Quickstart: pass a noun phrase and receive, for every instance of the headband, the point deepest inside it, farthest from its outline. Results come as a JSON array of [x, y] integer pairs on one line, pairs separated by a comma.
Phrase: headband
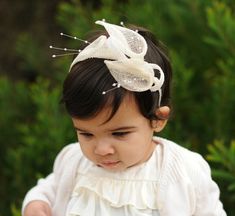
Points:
[[124, 51]]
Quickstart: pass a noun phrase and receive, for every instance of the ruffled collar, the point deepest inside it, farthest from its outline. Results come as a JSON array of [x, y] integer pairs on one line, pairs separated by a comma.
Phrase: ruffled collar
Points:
[[131, 192]]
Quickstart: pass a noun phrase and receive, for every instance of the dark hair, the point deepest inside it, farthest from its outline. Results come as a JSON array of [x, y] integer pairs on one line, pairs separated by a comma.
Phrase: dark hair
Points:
[[83, 86]]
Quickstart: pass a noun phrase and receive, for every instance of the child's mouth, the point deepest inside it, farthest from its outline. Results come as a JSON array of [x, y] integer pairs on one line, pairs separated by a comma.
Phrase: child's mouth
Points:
[[109, 164]]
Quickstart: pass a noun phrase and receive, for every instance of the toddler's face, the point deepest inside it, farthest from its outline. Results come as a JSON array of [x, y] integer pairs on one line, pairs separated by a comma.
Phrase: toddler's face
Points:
[[122, 142]]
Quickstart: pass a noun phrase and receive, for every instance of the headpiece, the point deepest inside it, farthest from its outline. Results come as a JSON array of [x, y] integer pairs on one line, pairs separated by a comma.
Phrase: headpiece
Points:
[[124, 51]]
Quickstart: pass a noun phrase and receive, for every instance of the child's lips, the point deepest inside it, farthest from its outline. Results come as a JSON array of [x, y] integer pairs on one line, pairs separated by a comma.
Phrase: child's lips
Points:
[[109, 163]]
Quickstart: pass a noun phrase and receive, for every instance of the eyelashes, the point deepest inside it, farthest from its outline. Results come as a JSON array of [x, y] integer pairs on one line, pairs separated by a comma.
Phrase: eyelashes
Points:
[[115, 134], [121, 134], [88, 135]]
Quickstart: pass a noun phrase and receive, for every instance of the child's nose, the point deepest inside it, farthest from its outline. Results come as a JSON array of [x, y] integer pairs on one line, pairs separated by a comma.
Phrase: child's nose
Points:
[[104, 147]]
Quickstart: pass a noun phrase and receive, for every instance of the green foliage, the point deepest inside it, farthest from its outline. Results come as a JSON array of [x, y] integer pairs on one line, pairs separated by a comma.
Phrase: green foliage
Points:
[[28, 53], [222, 78], [224, 157], [15, 211], [13, 106], [35, 138], [200, 37], [221, 22]]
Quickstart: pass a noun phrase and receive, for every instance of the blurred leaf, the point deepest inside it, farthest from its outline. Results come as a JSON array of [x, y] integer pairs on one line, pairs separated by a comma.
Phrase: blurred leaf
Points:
[[15, 211]]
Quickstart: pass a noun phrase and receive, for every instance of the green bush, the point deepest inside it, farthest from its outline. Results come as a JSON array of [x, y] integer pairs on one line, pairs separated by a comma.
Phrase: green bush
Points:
[[15, 211], [44, 131], [14, 108], [224, 158]]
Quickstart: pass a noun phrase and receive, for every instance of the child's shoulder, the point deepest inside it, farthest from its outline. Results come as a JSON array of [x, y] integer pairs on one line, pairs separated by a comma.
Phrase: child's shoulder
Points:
[[69, 150], [184, 161], [178, 151], [68, 154]]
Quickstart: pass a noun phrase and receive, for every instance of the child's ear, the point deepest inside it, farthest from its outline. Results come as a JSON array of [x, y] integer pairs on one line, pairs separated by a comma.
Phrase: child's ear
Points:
[[163, 114]]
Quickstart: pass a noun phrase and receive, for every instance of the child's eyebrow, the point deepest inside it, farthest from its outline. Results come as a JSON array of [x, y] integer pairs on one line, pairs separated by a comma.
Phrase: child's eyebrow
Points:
[[115, 129], [79, 129], [124, 128]]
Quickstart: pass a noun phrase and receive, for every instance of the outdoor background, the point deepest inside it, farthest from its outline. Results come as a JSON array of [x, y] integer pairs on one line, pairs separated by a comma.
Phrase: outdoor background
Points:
[[200, 36]]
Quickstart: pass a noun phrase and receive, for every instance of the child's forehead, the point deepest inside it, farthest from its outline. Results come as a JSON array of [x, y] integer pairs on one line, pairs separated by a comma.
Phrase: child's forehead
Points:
[[127, 105], [127, 114], [127, 110]]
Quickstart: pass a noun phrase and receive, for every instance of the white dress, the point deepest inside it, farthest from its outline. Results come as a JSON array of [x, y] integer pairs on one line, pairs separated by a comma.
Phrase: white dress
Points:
[[173, 182], [99, 192]]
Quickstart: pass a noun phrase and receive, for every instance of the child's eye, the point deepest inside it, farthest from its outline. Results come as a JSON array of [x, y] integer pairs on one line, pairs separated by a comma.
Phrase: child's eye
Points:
[[120, 134], [88, 135]]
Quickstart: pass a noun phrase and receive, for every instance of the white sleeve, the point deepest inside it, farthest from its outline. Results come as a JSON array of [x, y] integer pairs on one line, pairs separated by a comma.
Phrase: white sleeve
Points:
[[43, 191], [207, 193], [46, 188]]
